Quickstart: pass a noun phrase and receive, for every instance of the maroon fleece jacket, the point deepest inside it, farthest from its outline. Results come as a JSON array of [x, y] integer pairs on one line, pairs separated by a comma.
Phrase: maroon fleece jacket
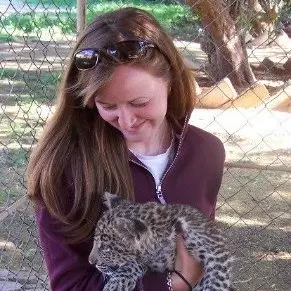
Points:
[[193, 177]]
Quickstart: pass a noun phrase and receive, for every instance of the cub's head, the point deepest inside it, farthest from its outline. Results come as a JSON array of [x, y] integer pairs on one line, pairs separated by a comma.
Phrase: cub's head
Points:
[[117, 238]]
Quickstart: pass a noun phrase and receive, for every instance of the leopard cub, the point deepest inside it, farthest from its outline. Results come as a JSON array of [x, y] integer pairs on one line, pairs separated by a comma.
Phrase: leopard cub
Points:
[[133, 238]]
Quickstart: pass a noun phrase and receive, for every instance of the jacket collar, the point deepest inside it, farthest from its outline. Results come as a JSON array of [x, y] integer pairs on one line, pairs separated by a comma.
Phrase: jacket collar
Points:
[[179, 135]]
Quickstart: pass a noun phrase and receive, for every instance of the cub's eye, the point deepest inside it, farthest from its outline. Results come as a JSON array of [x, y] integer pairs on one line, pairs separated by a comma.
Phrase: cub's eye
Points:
[[104, 237]]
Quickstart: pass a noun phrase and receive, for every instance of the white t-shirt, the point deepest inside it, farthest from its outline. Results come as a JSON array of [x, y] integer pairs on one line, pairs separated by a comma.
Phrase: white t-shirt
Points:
[[157, 165]]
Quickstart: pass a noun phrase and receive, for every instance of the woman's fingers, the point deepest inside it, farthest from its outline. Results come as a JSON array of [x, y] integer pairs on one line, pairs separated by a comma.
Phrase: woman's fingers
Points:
[[189, 267]]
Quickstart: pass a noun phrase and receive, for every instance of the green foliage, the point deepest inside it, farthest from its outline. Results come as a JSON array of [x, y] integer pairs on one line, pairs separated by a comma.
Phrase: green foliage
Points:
[[29, 22], [6, 37], [285, 15], [41, 86], [68, 23], [6, 194], [57, 3], [50, 78], [172, 16], [8, 73], [24, 22], [90, 3], [17, 158], [45, 78]]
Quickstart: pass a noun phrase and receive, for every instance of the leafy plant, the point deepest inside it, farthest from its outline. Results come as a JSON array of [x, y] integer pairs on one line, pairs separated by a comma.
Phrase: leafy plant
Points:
[[174, 17], [24, 22], [5, 37]]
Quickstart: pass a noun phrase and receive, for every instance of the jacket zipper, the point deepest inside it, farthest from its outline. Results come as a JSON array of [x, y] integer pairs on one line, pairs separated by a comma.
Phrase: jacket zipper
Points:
[[159, 187], [159, 193]]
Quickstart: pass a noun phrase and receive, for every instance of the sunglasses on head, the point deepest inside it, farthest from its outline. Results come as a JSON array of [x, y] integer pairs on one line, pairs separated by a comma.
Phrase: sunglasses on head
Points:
[[122, 51]]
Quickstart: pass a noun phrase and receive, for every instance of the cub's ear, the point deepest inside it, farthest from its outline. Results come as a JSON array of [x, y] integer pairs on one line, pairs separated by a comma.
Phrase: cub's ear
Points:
[[139, 227], [111, 200]]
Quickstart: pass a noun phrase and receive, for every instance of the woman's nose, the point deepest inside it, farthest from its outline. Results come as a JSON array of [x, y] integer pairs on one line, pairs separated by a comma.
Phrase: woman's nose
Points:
[[126, 118]]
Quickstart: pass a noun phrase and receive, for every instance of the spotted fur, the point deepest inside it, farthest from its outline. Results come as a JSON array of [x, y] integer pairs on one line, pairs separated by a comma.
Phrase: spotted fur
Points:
[[132, 238]]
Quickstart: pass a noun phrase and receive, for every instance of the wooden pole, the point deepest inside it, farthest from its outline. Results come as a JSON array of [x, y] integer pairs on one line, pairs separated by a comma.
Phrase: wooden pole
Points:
[[239, 165], [81, 16]]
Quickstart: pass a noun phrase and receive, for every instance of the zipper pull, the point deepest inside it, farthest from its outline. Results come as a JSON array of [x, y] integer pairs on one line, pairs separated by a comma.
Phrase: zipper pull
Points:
[[160, 195]]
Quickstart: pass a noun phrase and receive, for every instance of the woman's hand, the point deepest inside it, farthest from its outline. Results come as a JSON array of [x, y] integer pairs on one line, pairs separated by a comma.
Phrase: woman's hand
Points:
[[190, 268]]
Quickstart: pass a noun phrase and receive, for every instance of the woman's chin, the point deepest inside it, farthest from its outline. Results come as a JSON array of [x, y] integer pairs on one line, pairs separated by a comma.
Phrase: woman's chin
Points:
[[134, 138], [137, 133]]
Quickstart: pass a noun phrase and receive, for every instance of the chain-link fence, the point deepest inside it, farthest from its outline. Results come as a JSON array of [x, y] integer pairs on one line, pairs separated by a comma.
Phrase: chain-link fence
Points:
[[247, 106]]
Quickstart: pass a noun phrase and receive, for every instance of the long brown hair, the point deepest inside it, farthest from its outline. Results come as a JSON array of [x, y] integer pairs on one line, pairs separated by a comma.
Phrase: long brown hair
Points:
[[79, 156]]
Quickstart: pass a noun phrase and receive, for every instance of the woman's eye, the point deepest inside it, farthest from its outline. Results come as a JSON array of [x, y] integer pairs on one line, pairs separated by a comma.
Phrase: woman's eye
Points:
[[139, 104], [109, 107]]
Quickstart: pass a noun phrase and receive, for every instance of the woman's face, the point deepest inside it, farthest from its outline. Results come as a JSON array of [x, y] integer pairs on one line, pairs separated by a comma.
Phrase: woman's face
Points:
[[135, 102]]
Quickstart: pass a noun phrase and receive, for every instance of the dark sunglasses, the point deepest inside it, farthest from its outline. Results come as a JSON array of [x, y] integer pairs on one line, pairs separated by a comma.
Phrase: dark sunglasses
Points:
[[123, 51]]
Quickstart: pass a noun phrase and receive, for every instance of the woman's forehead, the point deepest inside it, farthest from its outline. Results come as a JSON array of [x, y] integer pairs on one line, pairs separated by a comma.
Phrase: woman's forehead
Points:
[[132, 82]]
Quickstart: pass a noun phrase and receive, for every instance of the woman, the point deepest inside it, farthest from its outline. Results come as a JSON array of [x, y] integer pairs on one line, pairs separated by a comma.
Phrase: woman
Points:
[[120, 125]]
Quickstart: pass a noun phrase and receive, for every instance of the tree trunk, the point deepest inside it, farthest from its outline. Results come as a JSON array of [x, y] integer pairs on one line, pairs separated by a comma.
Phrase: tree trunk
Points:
[[230, 54]]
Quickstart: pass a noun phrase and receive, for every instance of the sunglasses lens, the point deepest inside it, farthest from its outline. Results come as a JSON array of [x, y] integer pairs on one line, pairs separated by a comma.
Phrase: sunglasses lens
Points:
[[122, 51], [126, 50], [86, 59]]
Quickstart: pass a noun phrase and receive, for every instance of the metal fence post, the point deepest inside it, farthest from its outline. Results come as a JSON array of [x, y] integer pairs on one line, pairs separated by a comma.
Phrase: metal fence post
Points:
[[81, 16]]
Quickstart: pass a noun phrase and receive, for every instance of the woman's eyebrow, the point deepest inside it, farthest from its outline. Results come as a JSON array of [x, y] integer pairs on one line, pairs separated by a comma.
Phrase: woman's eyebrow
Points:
[[101, 102], [138, 98]]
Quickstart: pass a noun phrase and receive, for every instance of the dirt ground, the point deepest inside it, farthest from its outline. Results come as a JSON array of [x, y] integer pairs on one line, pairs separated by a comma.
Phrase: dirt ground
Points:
[[253, 206]]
